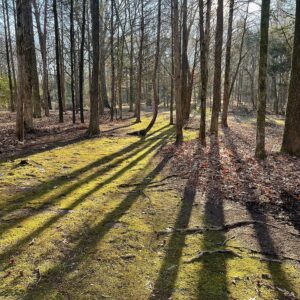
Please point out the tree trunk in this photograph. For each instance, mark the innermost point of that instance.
(217, 70)
(72, 60)
(204, 48)
(81, 62)
(140, 67)
(43, 46)
(94, 93)
(177, 74)
(184, 63)
(112, 58)
(154, 77)
(8, 58)
(227, 66)
(58, 67)
(102, 75)
(291, 136)
(262, 80)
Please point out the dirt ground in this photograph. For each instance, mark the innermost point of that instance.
(120, 217)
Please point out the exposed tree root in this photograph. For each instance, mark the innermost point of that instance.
(271, 257)
(225, 227)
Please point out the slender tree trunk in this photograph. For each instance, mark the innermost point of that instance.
(291, 136)
(217, 70)
(94, 93)
(72, 60)
(104, 98)
(204, 48)
(184, 63)
(131, 91)
(262, 80)
(140, 67)
(172, 66)
(81, 62)
(112, 58)
(177, 73)
(62, 58)
(8, 59)
(43, 46)
(227, 66)
(154, 77)
(58, 67)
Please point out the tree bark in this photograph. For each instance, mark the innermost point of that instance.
(262, 80)
(204, 48)
(291, 136)
(43, 46)
(72, 59)
(94, 93)
(227, 66)
(58, 66)
(140, 66)
(217, 70)
(81, 62)
(177, 75)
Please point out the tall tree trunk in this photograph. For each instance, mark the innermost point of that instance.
(154, 77)
(217, 70)
(8, 58)
(58, 67)
(177, 74)
(72, 59)
(204, 48)
(140, 67)
(112, 58)
(94, 93)
(37, 109)
(81, 62)
(262, 80)
(23, 32)
(172, 66)
(184, 63)
(43, 46)
(131, 68)
(104, 98)
(291, 136)
(227, 66)
(62, 58)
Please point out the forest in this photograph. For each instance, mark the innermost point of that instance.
(150, 149)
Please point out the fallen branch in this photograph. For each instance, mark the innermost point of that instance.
(201, 254)
(271, 258)
(226, 227)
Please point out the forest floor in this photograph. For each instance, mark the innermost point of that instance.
(124, 217)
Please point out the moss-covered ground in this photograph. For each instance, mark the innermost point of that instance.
(80, 222)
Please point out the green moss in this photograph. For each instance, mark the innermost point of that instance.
(84, 217)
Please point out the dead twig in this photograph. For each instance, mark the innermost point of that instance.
(225, 227)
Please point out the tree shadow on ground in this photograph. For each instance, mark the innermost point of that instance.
(150, 146)
(263, 235)
(212, 282)
(56, 182)
(55, 275)
(165, 282)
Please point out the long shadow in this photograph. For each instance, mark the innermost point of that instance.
(40, 190)
(165, 282)
(56, 274)
(51, 221)
(54, 199)
(262, 232)
(212, 282)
